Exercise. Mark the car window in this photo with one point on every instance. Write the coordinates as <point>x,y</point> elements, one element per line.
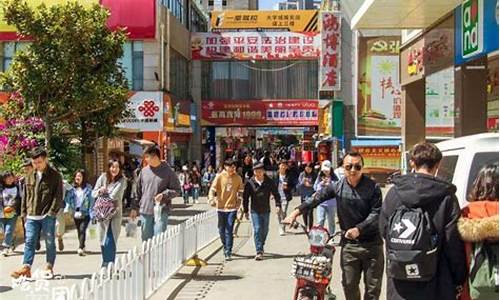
<point>480,160</point>
<point>447,168</point>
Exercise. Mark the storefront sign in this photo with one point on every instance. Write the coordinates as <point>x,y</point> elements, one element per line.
<point>147,112</point>
<point>379,92</point>
<point>141,24</point>
<point>330,62</point>
<point>386,157</point>
<point>255,45</point>
<point>291,20</point>
<point>439,46</point>
<point>260,113</point>
<point>472,27</point>
<point>476,29</point>
<point>412,62</point>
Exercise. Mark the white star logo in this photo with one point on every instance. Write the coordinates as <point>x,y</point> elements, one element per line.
<point>397,227</point>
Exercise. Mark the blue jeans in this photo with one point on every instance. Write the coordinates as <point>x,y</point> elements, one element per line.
<point>226,226</point>
<point>196,193</point>
<point>185,195</point>
<point>260,223</point>
<point>108,249</point>
<point>149,228</point>
<point>284,209</point>
<point>33,228</point>
<point>326,212</point>
<point>9,227</point>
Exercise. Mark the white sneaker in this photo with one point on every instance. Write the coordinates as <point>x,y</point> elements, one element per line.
<point>282,231</point>
<point>6,252</point>
<point>81,252</point>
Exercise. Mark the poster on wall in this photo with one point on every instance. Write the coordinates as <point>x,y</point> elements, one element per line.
<point>379,93</point>
<point>147,112</point>
<point>439,103</point>
<point>330,61</point>
<point>253,45</point>
<point>259,113</point>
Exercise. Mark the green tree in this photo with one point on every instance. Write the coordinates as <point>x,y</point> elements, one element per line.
<point>70,74</point>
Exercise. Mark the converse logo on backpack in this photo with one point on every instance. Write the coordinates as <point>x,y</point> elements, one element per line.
<point>403,237</point>
<point>412,270</point>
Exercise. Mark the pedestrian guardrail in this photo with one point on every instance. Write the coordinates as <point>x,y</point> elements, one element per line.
<point>137,274</point>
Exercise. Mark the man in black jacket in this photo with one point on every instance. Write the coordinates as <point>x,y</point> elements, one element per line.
<point>437,198</point>
<point>260,188</point>
<point>358,206</point>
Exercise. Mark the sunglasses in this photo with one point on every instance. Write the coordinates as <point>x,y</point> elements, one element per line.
<point>356,167</point>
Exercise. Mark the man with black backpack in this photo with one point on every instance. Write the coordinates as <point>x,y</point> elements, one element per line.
<point>425,256</point>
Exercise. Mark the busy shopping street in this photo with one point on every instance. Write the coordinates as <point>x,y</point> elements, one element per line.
<point>249,149</point>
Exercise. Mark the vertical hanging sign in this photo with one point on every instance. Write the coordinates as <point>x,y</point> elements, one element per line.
<point>330,62</point>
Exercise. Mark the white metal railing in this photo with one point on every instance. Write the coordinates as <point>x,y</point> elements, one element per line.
<point>137,274</point>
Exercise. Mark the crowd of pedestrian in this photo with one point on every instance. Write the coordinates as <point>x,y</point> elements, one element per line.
<point>41,198</point>
<point>429,247</point>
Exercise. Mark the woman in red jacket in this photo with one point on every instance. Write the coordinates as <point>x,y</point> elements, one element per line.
<point>479,221</point>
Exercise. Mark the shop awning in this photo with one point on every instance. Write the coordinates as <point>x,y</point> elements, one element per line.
<point>397,14</point>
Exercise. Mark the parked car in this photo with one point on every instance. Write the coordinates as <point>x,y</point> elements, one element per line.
<point>463,158</point>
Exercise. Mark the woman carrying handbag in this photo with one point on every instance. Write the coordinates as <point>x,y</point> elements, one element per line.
<point>110,187</point>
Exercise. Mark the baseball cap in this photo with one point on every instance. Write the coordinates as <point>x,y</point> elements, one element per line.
<point>326,165</point>
<point>258,166</point>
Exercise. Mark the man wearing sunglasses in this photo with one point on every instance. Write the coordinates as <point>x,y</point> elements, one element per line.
<point>358,206</point>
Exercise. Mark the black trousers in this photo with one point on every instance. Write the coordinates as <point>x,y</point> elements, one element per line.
<point>81,228</point>
<point>308,217</point>
<point>357,259</point>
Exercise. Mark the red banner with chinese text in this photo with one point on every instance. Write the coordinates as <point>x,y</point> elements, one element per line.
<point>260,113</point>
<point>253,45</point>
<point>330,62</point>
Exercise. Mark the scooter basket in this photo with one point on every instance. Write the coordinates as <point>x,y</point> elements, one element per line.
<point>312,268</point>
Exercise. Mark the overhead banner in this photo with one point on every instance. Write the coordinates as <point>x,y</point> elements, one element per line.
<point>379,92</point>
<point>330,62</point>
<point>260,113</point>
<point>147,112</point>
<point>291,20</point>
<point>255,45</point>
<point>138,17</point>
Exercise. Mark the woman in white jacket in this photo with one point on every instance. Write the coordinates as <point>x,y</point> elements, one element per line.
<point>114,183</point>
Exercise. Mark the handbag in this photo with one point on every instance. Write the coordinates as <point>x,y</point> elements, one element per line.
<point>104,208</point>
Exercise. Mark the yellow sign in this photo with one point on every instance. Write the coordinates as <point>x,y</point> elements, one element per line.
<point>292,20</point>
<point>183,120</point>
<point>35,3</point>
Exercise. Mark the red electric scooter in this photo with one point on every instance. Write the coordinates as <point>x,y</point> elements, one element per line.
<point>314,270</point>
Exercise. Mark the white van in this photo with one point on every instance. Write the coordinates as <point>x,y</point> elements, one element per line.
<point>463,158</point>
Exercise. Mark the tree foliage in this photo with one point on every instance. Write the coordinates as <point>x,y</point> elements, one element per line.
<point>70,74</point>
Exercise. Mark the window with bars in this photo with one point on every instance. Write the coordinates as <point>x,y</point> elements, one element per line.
<point>133,64</point>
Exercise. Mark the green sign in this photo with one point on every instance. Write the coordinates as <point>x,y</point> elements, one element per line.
<point>472,27</point>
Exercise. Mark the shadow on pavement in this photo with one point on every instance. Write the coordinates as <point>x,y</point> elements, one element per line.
<point>186,212</point>
<point>78,276</point>
<point>4,289</point>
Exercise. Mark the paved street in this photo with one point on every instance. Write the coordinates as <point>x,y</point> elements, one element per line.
<point>243,278</point>
<point>71,268</point>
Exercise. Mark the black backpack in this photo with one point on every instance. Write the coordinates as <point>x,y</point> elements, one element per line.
<point>412,245</point>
